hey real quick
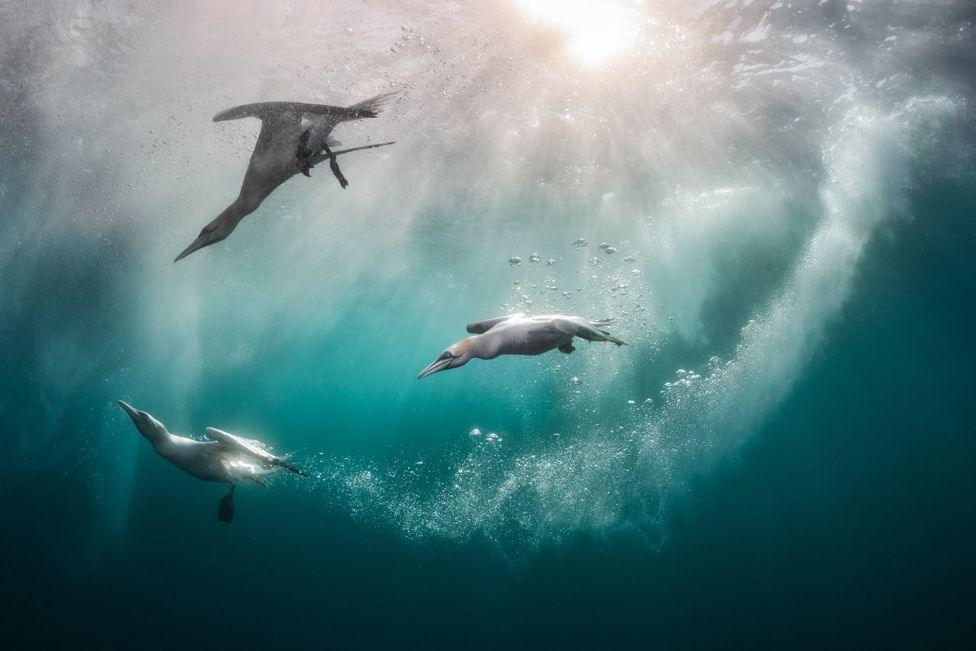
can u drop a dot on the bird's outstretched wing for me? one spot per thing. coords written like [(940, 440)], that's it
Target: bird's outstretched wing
[(296, 112), (252, 448), (286, 120), (481, 327), (286, 111)]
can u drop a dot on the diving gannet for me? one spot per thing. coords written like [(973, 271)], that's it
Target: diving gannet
[(294, 137), (518, 334), (226, 458)]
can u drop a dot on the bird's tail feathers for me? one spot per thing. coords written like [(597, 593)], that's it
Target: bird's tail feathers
[(290, 468), (611, 338), (373, 106), (598, 324)]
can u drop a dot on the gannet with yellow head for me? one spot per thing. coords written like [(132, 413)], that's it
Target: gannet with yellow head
[(518, 334), (225, 458)]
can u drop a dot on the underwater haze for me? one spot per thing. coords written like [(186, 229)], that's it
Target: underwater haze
[(775, 201)]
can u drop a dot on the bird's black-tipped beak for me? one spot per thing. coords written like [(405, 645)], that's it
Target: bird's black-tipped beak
[(129, 409), (435, 367), (199, 243), (145, 424), (137, 416)]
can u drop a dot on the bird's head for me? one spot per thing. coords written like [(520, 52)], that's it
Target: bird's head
[(453, 356), (147, 425)]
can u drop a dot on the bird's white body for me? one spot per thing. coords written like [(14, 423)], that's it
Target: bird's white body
[(528, 335), (209, 460)]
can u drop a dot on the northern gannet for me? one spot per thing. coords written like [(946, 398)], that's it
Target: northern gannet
[(294, 137), (518, 334), (226, 458)]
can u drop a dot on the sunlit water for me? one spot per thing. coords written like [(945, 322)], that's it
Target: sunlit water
[(713, 175)]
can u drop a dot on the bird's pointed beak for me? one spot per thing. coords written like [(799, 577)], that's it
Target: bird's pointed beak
[(129, 409), (201, 241), (145, 424), (138, 417), (436, 366)]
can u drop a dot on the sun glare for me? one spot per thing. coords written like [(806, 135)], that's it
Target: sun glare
[(595, 30)]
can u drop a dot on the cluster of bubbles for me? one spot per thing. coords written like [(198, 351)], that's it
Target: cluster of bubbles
[(490, 437), (623, 472), (596, 279)]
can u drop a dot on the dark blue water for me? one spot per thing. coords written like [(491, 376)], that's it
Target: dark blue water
[(783, 457)]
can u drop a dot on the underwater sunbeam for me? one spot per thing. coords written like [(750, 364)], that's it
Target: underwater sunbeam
[(688, 285), (623, 475)]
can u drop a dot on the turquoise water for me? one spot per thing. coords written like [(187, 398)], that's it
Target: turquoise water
[(782, 457)]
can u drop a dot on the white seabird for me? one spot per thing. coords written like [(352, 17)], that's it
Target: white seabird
[(226, 459), (518, 334)]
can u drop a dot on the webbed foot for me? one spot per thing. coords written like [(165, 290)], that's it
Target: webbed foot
[(225, 512), (334, 166)]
